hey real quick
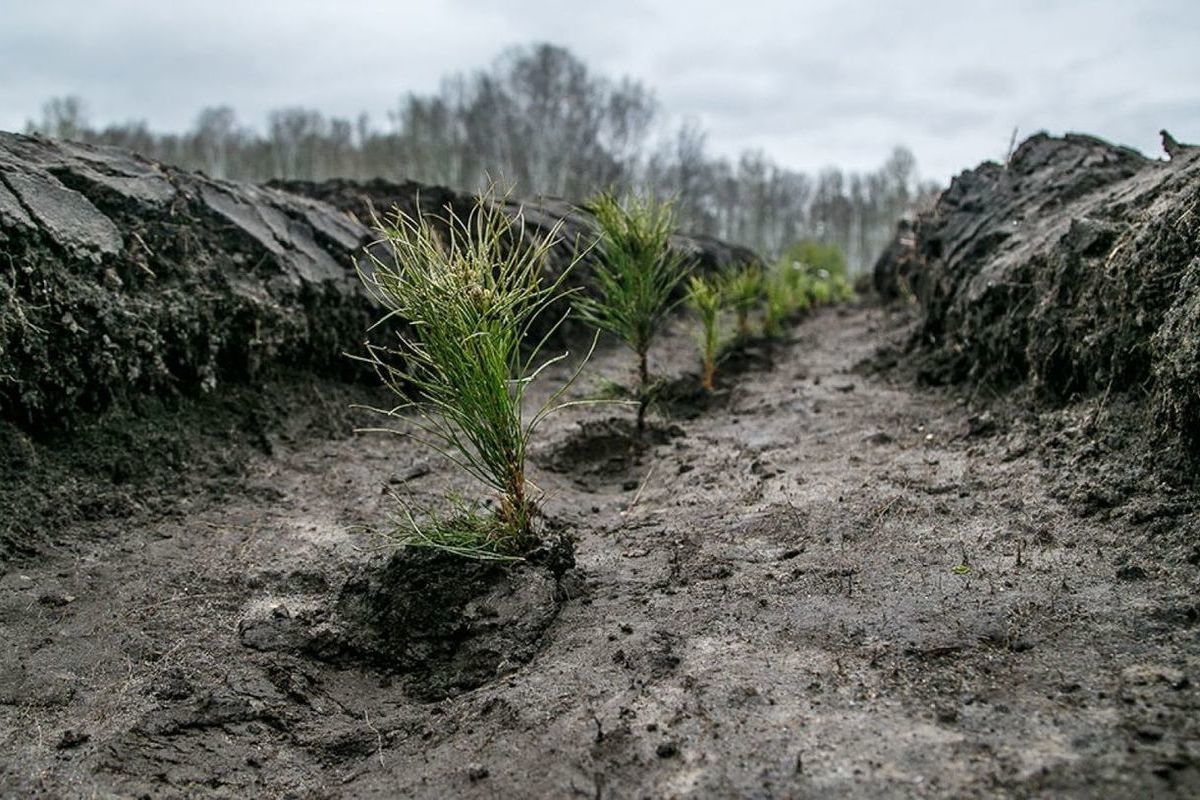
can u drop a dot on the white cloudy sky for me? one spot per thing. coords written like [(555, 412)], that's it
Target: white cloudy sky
[(811, 82)]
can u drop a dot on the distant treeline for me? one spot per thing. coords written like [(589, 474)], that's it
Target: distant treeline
[(540, 120)]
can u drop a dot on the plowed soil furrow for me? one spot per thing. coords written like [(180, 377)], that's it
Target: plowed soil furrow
[(826, 584)]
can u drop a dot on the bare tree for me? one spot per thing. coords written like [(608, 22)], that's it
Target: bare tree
[(293, 135), (214, 135), (540, 119), (62, 118)]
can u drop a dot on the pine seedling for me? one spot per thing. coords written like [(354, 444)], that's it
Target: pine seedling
[(704, 297), (470, 290), (843, 290), (820, 289), (743, 291), (786, 293), (778, 304), (802, 286), (820, 269), (636, 277)]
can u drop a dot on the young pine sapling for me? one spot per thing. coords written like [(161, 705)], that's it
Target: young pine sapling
[(819, 271), (636, 277), (704, 297), (471, 291), (779, 303), (743, 290)]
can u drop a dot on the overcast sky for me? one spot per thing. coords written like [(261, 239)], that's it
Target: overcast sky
[(811, 83)]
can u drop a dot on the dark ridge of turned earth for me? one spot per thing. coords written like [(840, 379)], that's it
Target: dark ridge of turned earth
[(364, 199), (1073, 270), (125, 278)]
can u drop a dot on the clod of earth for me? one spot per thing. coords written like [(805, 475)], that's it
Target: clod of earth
[(446, 623)]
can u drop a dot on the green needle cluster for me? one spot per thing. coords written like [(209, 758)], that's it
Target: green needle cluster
[(469, 290), (705, 299), (636, 277)]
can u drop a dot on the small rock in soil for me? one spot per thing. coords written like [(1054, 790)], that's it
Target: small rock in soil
[(56, 599), (1131, 572), (1149, 674), (667, 749), (171, 685), (71, 739), (981, 425), (1149, 733)]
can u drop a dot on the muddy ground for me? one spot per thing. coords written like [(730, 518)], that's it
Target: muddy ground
[(827, 583)]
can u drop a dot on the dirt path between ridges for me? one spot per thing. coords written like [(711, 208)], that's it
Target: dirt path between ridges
[(825, 587)]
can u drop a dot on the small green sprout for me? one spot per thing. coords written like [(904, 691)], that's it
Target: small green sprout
[(704, 297), (821, 290), (743, 291), (819, 270), (780, 303)]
